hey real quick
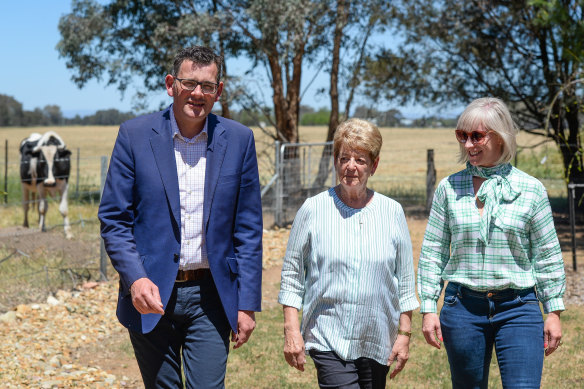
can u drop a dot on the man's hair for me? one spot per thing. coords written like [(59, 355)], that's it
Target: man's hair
[(200, 55)]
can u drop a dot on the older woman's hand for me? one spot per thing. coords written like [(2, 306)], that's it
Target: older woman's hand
[(552, 332), (293, 341), (400, 353), (294, 349)]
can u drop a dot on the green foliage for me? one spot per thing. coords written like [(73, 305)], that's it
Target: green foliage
[(528, 53), (318, 118)]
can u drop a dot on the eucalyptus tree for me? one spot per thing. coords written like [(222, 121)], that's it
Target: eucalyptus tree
[(530, 53), (122, 39)]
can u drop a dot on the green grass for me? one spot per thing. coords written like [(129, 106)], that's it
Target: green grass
[(260, 363)]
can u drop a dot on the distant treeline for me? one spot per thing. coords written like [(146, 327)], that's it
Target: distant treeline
[(12, 114), (311, 117)]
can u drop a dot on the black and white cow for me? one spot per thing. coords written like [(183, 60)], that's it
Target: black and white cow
[(45, 164)]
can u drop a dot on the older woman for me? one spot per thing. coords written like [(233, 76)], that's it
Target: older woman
[(491, 235), (349, 267)]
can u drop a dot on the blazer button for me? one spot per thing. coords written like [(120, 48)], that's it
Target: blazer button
[(176, 257)]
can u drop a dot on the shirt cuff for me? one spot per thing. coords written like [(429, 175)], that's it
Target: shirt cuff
[(553, 304), (290, 299), (429, 306), (408, 304)]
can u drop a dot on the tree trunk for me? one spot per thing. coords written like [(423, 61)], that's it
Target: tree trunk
[(327, 151), (224, 99), (572, 149)]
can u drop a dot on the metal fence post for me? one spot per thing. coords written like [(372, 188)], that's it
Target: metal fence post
[(102, 253), (77, 178), (278, 205), (571, 199)]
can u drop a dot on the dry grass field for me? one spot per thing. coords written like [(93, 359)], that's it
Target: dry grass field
[(403, 155)]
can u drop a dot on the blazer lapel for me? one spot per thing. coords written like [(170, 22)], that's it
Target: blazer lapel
[(216, 146), (163, 150)]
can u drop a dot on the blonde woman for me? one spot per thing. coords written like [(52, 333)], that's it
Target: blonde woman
[(491, 235)]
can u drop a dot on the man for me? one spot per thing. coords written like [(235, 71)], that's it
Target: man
[(181, 220)]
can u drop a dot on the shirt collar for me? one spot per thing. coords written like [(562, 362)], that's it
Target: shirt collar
[(176, 131)]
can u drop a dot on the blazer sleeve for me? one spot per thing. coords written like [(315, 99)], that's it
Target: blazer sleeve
[(116, 213), (248, 230)]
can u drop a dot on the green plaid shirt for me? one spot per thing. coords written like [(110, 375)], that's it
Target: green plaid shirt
[(512, 245)]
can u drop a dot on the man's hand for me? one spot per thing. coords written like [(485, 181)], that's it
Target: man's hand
[(552, 332), (400, 353), (145, 296), (432, 330), (245, 326)]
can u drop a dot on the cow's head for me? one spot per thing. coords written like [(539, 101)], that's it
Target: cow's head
[(54, 158)]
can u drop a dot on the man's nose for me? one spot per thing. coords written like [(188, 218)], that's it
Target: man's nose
[(198, 90)]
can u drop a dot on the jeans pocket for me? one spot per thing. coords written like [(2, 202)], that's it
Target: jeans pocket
[(450, 300), (530, 298)]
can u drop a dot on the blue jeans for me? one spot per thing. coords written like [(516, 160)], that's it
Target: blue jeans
[(195, 324), (334, 372), (472, 322)]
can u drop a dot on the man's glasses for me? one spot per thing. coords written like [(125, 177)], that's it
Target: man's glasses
[(206, 86), (476, 137)]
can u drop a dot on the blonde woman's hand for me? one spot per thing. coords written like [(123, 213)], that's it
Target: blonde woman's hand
[(432, 330)]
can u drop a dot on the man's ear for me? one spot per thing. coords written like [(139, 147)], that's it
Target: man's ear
[(169, 83), (219, 90)]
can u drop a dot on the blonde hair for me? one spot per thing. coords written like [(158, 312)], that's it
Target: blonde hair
[(494, 115), (358, 134)]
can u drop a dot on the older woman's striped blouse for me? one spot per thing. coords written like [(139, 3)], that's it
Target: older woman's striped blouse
[(351, 271)]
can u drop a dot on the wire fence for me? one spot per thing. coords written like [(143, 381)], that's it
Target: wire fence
[(289, 173), (84, 179)]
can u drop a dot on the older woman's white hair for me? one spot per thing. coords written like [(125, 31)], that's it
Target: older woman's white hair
[(494, 115)]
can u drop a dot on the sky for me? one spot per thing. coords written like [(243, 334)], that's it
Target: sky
[(32, 72)]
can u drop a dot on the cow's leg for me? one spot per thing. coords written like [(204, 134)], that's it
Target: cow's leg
[(25, 200), (43, 205), (63, 188)]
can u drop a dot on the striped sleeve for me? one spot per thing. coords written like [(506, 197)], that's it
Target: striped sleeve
[(405, 265), (435, 252), (548, 265), (297, 251)]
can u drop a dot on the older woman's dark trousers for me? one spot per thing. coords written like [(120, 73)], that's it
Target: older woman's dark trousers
[(362, 373), (511, 320)]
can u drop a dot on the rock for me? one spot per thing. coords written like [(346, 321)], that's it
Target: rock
[(55, 361), (52, 301), (90, 285), (8, 317)]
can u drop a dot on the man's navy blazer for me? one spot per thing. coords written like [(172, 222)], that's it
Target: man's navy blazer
[(141, 222)]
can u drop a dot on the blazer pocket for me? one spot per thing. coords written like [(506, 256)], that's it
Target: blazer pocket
[(233, 267), (229, 178)]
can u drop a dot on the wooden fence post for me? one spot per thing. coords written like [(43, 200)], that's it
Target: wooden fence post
[(430, 179)]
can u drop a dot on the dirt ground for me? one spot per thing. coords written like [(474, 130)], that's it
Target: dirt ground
[(115, 354)]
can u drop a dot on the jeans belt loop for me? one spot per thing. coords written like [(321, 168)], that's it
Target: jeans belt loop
[(459, 291)]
